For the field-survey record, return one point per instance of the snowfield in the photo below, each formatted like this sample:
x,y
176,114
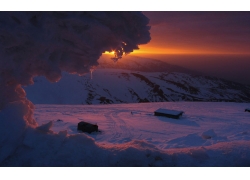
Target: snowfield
x,y
208,134
114,86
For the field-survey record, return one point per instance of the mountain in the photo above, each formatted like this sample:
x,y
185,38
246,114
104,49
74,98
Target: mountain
x,y
110,85
136,63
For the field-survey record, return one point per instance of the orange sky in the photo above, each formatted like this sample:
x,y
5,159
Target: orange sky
x,y
215,43
198,33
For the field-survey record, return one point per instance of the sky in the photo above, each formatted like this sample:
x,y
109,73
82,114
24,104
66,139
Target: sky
x,y
211,38
216,43
198,32
179,27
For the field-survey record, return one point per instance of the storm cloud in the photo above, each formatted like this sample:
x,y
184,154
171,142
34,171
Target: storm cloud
x,y
47,43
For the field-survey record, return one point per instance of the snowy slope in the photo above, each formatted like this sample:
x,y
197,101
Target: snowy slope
x,y
109,86
208,134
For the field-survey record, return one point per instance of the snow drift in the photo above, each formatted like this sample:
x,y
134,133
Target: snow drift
x,y
208,134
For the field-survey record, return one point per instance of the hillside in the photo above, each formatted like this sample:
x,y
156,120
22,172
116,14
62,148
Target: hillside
x,y
109,86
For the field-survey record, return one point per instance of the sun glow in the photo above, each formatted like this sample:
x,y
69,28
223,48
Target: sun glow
x,y
109,52
145,50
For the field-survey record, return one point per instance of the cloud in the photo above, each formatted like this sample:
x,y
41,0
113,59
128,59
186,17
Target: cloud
x,y
47,43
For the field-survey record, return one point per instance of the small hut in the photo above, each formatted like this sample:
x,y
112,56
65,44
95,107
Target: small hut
x,y
87,127
168,113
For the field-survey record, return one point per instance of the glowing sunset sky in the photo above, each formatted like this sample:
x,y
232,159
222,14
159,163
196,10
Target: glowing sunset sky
x,y
198,33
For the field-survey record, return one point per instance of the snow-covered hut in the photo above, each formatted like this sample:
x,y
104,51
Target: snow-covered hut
x,y
168,113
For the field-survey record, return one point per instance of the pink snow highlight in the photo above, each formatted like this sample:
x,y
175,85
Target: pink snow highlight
x,y
218,138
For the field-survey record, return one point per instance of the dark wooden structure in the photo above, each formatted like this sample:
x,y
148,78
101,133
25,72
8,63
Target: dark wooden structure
x,y
87,127
168,113
247,110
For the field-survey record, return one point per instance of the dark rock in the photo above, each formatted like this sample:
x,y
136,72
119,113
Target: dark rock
x,y
104,100
143,100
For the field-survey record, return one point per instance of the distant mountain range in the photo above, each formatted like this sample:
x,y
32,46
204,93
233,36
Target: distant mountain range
x,y
135,63
136,81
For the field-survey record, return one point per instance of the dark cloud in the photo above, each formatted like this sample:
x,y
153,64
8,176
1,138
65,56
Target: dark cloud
x,y
47,43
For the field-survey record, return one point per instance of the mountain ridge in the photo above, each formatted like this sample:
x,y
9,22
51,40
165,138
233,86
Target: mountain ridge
x,y
109,86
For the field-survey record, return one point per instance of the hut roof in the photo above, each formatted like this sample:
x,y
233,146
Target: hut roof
x,y
167,111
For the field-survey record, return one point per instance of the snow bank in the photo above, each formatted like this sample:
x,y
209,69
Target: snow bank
x,y
136,139
39,148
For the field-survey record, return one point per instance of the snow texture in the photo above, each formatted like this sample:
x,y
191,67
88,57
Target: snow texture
x,y
208,134
109,86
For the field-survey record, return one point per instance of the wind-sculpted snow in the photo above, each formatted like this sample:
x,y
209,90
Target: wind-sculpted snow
x,y
208,134
47,43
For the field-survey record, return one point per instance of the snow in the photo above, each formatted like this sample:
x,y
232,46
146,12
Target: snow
x,y
125,86
208,134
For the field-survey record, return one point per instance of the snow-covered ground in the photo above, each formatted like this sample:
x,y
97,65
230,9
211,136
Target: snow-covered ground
x,y
122,123
208,134
109,86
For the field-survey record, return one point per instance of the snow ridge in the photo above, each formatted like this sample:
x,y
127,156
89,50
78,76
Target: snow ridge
x,y
110,86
